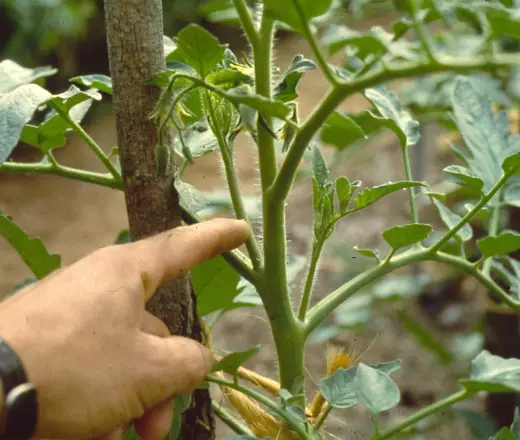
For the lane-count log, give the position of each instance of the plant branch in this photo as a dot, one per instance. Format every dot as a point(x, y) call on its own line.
point(295, 424)
point(321, 310)
point(470, 214)
point(317, 246)
point(383, 74)
point(247, 22)
point(230, 421)
point(100, 179)
point(411, 191)
point(96, 149)
point(232, 181)
point(494, 223)
point(423, 413)
point(323, 417)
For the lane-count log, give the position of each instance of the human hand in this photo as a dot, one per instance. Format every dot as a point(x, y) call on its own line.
point(96, 357)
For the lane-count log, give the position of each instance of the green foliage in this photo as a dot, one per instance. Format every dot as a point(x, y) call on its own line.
point(407, 235)
point(296, 13)
point(231, 362)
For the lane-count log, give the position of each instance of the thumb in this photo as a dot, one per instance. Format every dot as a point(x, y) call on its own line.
point(172, 365)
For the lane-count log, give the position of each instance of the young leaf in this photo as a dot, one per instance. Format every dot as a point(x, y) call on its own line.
point(228, 78)
point(375, 389)
point(12, 75)
point(198, 138)
point(102, 83)
point(505, 243)
point(371, 195)
point(504, 434)
point(285, 91)
point(31, 249)
point(406, 235)
point(267, 107)
point(344, 192)
point(296, 13)
point(320, 170)
point(493, 374)
point(233, 361)
point(511, 163)
point(16, 109)
point(450, 219)
point(368, 253)
point(215, 284)
point(463, 176)
point(199, 48)
point(394, 116)
point(341, 131)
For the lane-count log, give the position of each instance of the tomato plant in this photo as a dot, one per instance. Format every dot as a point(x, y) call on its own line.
point(467, 80)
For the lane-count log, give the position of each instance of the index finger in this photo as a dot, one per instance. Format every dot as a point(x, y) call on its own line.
point(173, 253)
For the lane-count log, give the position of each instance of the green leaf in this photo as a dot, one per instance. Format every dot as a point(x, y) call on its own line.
point(99, 82)
point(180, 404)
point(341, 389)
point(31, 249)
point(215, 284)
point(482, 426)
point(485, 135)
point(190, 197)
point(341, 131)
point(320, 170)
point(296, 13)
point(199, 138)
point(406, 235)
point(505, 243)
point(493, 374)
point(12, 75)
point(504, 434)
point(228, 78)
point(123, 237)
point(394, 116)
point(368, 253)
point(463, 176)
point(285, 91)
point(267, 107)
point(219, 113)
point(131, 434)
point(199, 48)
point(16, 109)
point(233, 361)
point(344, 192)
point(450, 219)
point(371, 195)
point(511, 163)
point(375, 389)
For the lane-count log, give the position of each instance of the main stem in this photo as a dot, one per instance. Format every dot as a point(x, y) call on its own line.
point(286, 330)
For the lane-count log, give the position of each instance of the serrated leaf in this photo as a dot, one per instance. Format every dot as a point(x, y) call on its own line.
point(394, 116)
point(372, 195)
point(267, 107)
point(463, 176)
point(341, 131)
point(199, 48)
point(494, 374)
point(296, 13)
point(285, 91)
point(12, 75)
point(31, 249)
point(376, 390)
point(16, 109)
point(341, 388)
point(406, 235)
point(103, 83)
point(450, 219)
point(505, 243)
point(231, 362)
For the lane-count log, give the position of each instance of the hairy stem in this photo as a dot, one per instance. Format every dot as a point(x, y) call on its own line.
point(247, 22)
point(494, 223)
point(224, 415)
point(323, 417)
point(380, 75)
point(411, 191)
point(96, 149)
point(317, 246)
point(423, 413)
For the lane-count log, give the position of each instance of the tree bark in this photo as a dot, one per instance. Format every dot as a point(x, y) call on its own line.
point(135, 48)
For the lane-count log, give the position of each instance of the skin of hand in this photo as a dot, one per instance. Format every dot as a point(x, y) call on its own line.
point(100, 361)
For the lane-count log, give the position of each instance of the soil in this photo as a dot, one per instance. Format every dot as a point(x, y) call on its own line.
point(74, 218)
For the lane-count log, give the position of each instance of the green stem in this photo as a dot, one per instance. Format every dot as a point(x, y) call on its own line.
point(317, 247)
point(411, 191)
point(474, 211)
point(423, 413)
point(247, 22)
point(100, 179)
point(422, 32)
point(323, 417)
point(494, 223)
point(314, 45)
point(232, 181)
point(273, 289)
point(294, 423)
point(381, 75)
point(321, 310)
point(90, 142)
point(230, 421)
point(235, 258)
